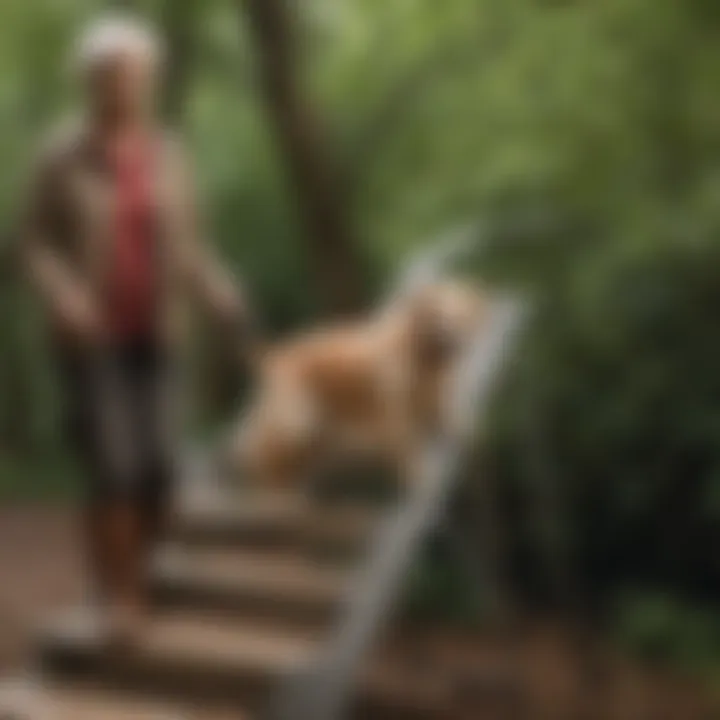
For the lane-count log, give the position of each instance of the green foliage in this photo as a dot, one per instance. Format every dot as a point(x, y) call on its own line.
point(618, 389)
point(664, 629)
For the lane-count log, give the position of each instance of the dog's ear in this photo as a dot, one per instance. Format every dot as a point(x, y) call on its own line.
point(432, 339)
point(443, 318)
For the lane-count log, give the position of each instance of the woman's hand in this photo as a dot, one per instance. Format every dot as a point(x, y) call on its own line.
point(79, 317)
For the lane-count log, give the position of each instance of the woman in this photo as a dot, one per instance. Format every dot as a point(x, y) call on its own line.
point(113, 248)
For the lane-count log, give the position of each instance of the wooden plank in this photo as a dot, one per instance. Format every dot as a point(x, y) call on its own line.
point(268, 586)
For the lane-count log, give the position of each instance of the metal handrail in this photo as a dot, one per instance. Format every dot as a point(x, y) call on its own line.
point(325, 692)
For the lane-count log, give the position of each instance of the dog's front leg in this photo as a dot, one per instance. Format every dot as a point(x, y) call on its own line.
point(402, 436)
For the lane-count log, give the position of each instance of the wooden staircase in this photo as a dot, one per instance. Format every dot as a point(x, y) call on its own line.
point(245, 595)
point(267, 607)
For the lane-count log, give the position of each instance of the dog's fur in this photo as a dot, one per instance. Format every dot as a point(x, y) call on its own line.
point(377, 387)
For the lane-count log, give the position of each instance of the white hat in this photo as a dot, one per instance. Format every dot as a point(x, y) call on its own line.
point(114, 35)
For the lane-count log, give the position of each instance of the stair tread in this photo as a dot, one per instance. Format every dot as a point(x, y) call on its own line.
point(181, 640)
point(38, 702)
point(274, 506)
point(312, 520)
point(284, 574)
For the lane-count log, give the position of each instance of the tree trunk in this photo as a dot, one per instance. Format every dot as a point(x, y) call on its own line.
point(317, 180)
point(178, 24)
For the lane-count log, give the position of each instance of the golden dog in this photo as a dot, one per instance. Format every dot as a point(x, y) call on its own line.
point(377, 388)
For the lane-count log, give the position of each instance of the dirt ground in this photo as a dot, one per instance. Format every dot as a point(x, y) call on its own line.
point(40, 571)
point(540, 671)
point(535, 671)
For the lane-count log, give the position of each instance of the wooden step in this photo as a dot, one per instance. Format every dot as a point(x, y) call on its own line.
point(22, 700)
point(270, 505)
point(180, 656)
point(184, 666)
point(275, 522)
point(262, 585)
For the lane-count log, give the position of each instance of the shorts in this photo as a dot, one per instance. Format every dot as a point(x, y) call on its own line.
point(122, 418)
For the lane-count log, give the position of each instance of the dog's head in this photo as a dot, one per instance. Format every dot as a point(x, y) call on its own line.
point(443, 318)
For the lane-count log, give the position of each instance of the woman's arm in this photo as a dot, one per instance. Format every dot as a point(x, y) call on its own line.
point(211, 282)
point(67, 300)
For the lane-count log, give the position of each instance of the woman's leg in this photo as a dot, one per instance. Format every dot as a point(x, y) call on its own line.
point(122, 419)
point(81, 420)
point(156, 413)
point(117, 527)
point(96, 560)
point(156, 506)
point(121, 540)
